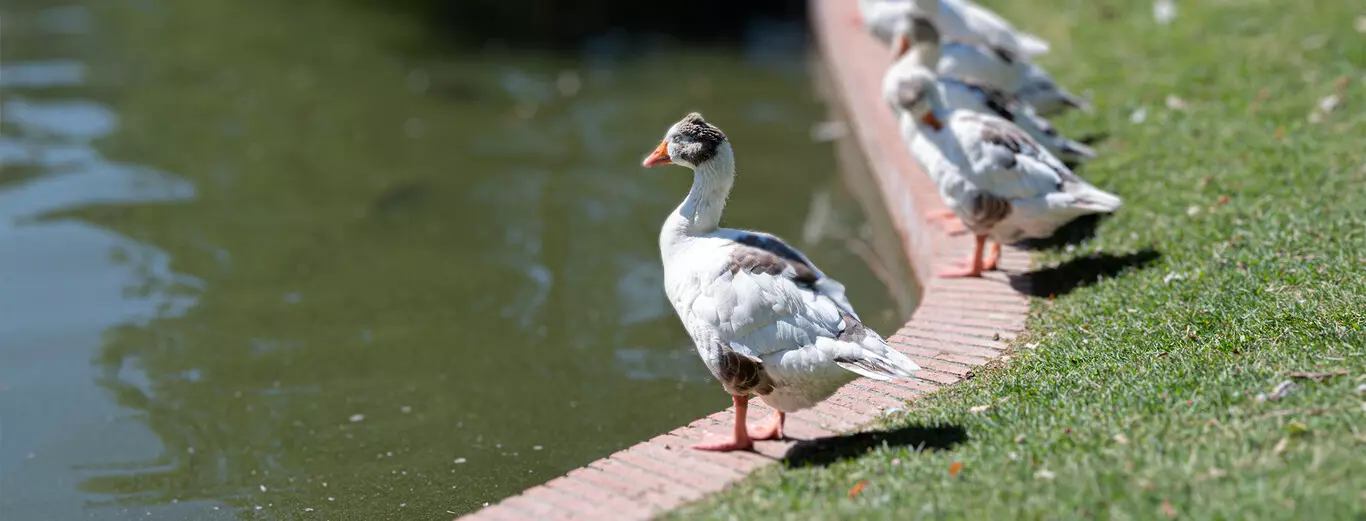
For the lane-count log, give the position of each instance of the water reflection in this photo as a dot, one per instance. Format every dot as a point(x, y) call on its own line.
point(322, 272)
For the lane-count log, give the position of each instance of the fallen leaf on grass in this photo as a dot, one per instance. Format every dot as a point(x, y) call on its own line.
point(1019, 439)
point(1281, 446)
point(1168, 510)
point(857, 488)
point(955, 468)
point(1282, 390)
point(1297, 428)
point(1121, 439)
point(979, 408)
point(1318, 377)
point(1361, 24)
point(1175, 103)
point(1045, 474)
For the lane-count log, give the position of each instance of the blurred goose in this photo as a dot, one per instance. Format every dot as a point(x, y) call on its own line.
point(961, 20)
point(1024, 79)
point(998, 180)
point(764, 319)
point(916, 45)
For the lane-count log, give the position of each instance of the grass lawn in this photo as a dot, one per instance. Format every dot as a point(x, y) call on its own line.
point(1136, 397)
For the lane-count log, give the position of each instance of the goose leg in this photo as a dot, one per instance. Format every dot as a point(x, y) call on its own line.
point(772, 431)
point(741, 440)
point(993, 256)
point(974, 267)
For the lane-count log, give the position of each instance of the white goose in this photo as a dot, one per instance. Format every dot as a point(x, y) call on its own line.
point(764, 319)
point(961, 20)
point(917, 45)
point(966, 56)
point(992, 175)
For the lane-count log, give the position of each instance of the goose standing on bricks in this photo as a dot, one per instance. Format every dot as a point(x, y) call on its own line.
point(991, 174)
point(764, 319)
point(917, 44)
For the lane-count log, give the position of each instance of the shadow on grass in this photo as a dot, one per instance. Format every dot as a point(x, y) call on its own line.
point(1079, 272)
point(824, 451)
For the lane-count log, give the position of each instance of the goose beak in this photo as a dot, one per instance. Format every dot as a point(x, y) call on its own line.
point(659, 157)
point(900, 45)
point(933, 121)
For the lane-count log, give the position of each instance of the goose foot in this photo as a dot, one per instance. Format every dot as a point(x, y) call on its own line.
point(973, 266)
point(772, 431)
point(741, 440)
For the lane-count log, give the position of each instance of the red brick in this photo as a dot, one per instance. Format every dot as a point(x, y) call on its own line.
point(937, 377)
point(534, 508)
point(671, 470)
point(599, 496)
point(912, 344)
point(634, 491)
point(571, 505)
point(646, 484)
point(684, 459)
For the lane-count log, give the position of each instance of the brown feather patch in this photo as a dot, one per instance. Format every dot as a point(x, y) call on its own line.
point(741, 375)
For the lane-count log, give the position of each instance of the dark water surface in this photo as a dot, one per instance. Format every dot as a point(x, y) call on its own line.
point(286, 260)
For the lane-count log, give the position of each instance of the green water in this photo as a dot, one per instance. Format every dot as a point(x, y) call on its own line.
point(289, 260)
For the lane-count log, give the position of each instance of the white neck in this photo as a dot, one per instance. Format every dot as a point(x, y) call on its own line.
point(925, 55)
point(700, 212)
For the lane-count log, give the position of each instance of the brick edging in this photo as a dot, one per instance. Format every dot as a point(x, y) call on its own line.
point(960, 323)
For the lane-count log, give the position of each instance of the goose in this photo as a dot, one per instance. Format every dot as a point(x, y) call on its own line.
point(764, 319)
point(917, 45)
point(994, 176)
point(962, 20)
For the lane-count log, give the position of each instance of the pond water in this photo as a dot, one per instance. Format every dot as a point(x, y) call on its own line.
point(288, 260)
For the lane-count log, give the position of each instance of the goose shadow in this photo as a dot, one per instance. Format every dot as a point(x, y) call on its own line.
point(824, 451)
point(1083, 271)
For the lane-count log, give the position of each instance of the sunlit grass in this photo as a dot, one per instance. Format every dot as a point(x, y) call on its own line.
point(1136, 397)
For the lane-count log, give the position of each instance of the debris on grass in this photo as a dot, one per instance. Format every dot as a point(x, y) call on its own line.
point(1282, 390)
point(1281, 446)
point(357, 418)
point(1318, 377)
point(1045, 474)
point(1139, 115)
point(1297, 428)
point(1361, 389)
point(1121, 439)
point(979, 408)
point(1173, 275)
point(955, 468)
point(1361, 24)
point(854, 492)
point(1175, 103)
point(1019, 439)
point(1168, 510)
point(1164, 11)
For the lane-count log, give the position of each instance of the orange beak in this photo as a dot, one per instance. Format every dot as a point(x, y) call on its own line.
point(659, 157)
point(930, 119)
point(900, 45)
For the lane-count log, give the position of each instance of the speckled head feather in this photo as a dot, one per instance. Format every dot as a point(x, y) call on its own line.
point(696, 139)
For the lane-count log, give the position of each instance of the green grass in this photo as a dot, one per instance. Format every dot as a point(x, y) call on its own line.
point(1135, 397)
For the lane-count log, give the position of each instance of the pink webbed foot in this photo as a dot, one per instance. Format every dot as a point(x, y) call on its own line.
point(772, 431)
point(740, 439)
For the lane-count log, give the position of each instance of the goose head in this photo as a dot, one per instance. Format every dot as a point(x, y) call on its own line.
point(917, 32)
point(915, 91)
point(692, 143)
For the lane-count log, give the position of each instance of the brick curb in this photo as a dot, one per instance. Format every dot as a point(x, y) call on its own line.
point(960, 324)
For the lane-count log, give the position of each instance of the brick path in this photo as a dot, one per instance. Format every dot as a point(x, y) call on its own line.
point(959, 324)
